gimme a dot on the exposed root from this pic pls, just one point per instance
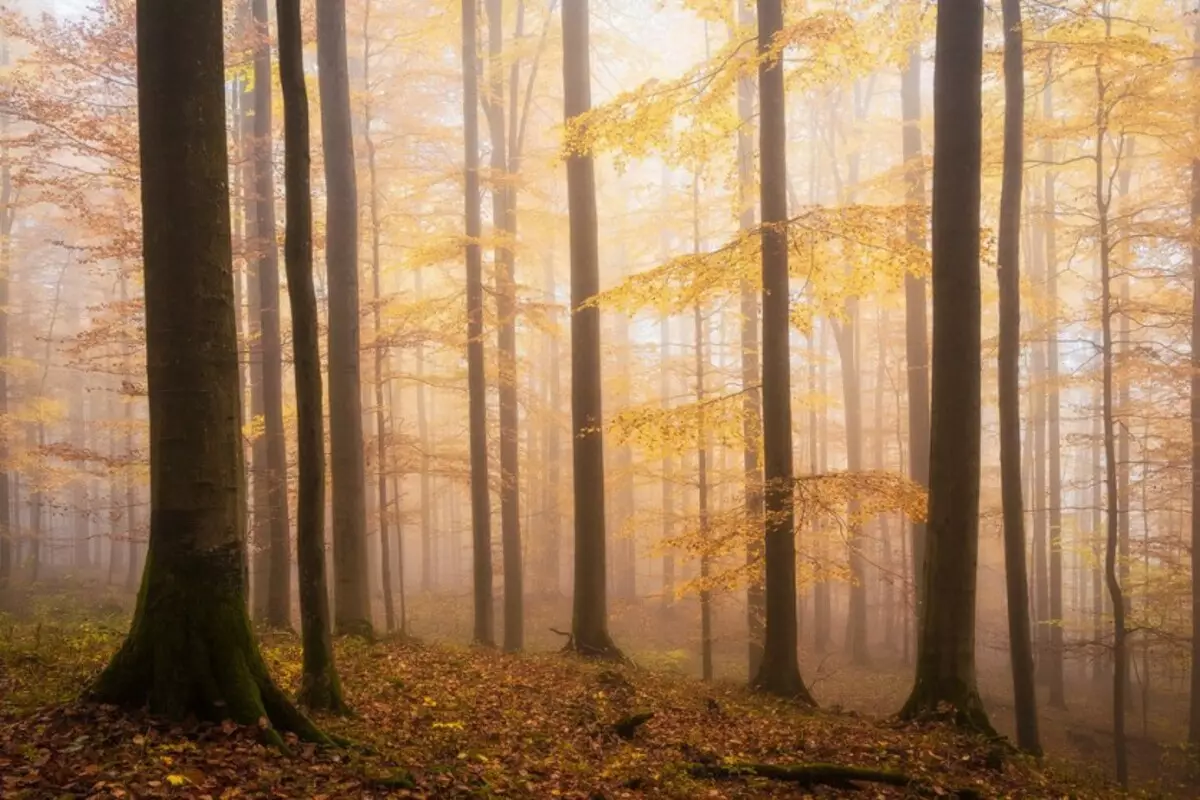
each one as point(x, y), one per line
point(808, 775)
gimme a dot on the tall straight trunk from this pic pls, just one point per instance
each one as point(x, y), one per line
point(1113, 496)
point(1016, 583)
point(823, 591)
point(1054, 660)
point(946, 644)
point(273, 470)
point(550, 439)
point(352, 609)
point(319, 684)
point(130, 513)
point(846, 336)
point(1099, 662)
point(381, 429)
point(8, 211)
point(481, 506)
point(1194, 715)
point(751, 399)
point(886, 571)
point(1041, 583)
point(191, 650)
point(668, 467)
point(506, 309)
point(624, 561)
point(589, 624)
point(426, 460)
point(1123, 409)
point(779, 672)
point(81, 560)
point(702, 458)
point(916, 326)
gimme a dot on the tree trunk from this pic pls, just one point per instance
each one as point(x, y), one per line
point(916, 327)
point(506, 310)
point(352, 609)
point(779, 672)
point(751, 400)
point(8, 210)
point(822, 592)
point(589, 624)
point(1113, 496)
point(190, 649)
point(668, 466)
point(273, 470)
point(426, 456)
point(319, 684)
point(481, 511)
point(1020, 645)
point(702, 457)
point(550, 440)
point(1194, 716)
point(946, 645)
point(381, 430)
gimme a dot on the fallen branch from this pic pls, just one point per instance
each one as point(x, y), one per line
point(832, 775)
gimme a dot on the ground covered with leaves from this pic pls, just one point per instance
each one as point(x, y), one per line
point(439, 721)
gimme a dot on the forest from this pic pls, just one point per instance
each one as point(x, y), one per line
point(599, 399)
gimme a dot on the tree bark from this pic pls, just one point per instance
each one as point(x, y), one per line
point(1020, 645)
point(589, 624)
point(352, 607)
point(190, 648)
point(946, 644)
point(8, 211)
point(481, 511)
point(702, 458)
point(779, 672)
point(319, 683)
point(1194, 715)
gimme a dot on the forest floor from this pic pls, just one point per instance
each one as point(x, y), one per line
point(462, 722)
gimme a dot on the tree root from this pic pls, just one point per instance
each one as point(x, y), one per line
point(809, 775)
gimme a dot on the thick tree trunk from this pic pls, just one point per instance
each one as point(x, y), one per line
point(1020, 645)
point(352, 608)
point(481, 510)
point(319, 685)
point(946, 646)
point(779, 672)
point(190, 649)
point(589, 624)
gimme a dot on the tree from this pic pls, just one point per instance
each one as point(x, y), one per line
point(946, 636)
point(1020, 645)
point(481, 512)
point(1194, 717)
point(274, 471)
point(319, 687)
point(352, 606)
point(779, 672)
point(589, 619)
point(915, 325)
point(190, 649)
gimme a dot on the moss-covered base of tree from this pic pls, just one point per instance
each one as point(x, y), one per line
point(596, 645)
point(191, 651)
point(321, 690)
point(782, 679)
point(948, 700)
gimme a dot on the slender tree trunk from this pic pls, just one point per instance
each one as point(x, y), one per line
point(273, 470)
point(426, 456)
point(946, 645)
point(779, 672)
point(1020, 645)
point(702, 458)
point(1113, 500)
point(751, 399)
point(822, 592)
point(79, 437)
point(481, 511)
point(381, 428)
point(506, 309)
point(319, 684)
point(916, 326)
point(589, 625)
point(8, 211)
point(352, 610)
point(191, 649)
point(1194, 716)
point(550, 439)
point(668, 468)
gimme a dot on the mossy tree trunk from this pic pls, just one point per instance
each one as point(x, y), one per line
point(946, 639)
point(191, 650)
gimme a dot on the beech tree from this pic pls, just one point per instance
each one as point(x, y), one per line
point(352, 602)
point(1020, 644)
point(190, 648)
point(946, 635)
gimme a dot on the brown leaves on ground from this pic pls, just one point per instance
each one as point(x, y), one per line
point(465, 723)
